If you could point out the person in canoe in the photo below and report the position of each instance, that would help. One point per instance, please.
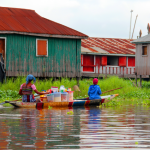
(27, 88)
(94, 90)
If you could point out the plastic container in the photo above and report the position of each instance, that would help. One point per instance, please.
(70, 95)
(57, 97)
(54, 89)
(43, 99)
(50, 97)
(64, 97)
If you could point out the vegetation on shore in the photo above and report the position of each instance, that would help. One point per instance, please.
(127, 94)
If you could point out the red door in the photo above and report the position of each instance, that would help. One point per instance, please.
(2, 47)
(88, 63)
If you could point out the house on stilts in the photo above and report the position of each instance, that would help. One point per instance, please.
(31, 44)
(142, 57)
(107, 56)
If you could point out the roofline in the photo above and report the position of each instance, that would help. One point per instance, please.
(87, 53)
(45, 35)
(140, 42)
(16, 8)
(112, 38)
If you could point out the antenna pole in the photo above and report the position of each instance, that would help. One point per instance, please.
(134, 26)
(130, 23)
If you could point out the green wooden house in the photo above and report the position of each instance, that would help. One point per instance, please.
(31, 44)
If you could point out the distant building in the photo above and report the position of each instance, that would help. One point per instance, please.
(107, 56)
(142, 57)
(32, 44)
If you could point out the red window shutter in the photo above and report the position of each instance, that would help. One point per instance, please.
(88, 63)
(122, 61)
(131, 61)
(98, 61)
(104, 60)
(42, 47)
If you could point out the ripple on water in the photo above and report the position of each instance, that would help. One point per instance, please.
(87, 128)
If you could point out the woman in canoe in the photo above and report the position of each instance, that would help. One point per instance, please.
(27, 88)
(94, 90)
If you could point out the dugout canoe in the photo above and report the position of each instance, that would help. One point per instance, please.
(74, 103)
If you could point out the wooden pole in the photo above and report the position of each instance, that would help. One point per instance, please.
(136, 78)
(140, 80)
(78, 78)
(111, 90)
(133, 83)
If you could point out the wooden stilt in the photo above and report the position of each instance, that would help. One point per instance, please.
(54, 79)
(140, 80)
(136, 78)
(78, 78)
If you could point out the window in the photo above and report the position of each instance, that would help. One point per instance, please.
(41, 47)
(144, 50)
(112, 60)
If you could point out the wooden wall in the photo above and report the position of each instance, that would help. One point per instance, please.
(64, 57)
(142, 63)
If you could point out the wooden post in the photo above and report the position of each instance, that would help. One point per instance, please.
(78, 78)
(54, 79)
(140, 80)
(132, 82)
(136, 78)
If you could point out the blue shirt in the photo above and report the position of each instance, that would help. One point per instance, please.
(94, 92)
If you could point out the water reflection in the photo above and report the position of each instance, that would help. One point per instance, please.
(94, 119)
(40, 128)
(90, 127)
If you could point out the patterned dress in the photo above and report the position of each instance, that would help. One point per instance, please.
(27, 93)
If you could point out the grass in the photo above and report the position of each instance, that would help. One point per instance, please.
(127, 94)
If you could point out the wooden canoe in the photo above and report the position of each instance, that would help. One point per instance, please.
(74, 103)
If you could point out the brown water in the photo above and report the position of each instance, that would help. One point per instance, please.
(87, 128)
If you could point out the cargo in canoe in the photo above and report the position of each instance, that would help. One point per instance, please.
(74, 103)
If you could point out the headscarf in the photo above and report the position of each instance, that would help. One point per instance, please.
(30, 77)
(95, 81)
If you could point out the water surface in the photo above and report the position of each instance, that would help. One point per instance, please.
(125, 127)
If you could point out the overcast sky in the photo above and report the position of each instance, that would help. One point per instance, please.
(96, 18)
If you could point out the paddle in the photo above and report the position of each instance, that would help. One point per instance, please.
(18, 99)
(111, 90)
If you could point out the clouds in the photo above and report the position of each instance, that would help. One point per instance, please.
(96, 18)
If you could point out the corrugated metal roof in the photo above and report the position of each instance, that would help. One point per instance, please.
(108, 45)
(28, 21)
(144, 39)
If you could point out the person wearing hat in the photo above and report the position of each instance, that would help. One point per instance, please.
(27, 88)
(94, 90)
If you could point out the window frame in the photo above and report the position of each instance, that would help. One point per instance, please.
(37, 47)
(142, 50)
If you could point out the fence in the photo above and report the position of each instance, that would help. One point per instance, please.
(110, 70)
